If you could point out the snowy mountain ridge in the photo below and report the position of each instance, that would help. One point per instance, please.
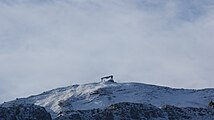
(103, 94)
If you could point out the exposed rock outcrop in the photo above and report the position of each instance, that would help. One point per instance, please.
(136, 111)
(24, 112)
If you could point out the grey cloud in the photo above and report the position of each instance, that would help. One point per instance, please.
(54, 43)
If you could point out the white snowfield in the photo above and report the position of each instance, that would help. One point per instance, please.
(103, 94)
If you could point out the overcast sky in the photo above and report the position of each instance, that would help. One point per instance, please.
(46, 44)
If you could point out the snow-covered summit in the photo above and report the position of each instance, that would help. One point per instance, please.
(106, 93)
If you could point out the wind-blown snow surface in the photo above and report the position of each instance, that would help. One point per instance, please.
(103, 94)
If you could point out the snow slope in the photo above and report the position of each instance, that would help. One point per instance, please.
(103, 94)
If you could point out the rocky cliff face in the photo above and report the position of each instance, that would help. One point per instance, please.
(24, 112)
(119, 111)
(136, 111)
